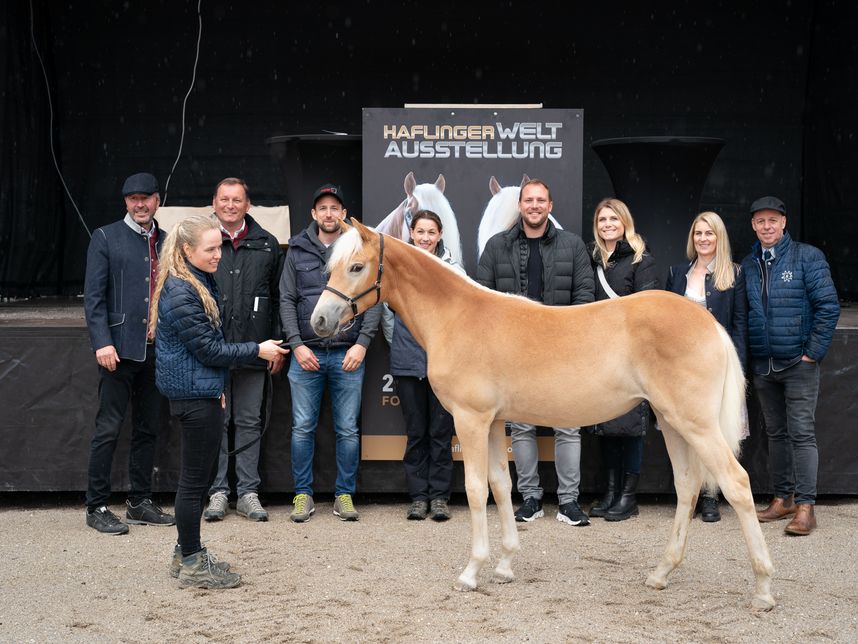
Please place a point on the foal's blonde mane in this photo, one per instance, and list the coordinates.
(344, 248)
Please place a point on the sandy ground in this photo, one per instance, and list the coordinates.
(388, 579)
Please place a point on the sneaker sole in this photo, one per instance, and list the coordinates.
(562, 518)
(140, 522)
(247, 516)
(302, 519)
(536, 515)
(191, 584)
(213, 517)
(342, 518)
(112, 534)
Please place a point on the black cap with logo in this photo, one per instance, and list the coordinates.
(329, 190)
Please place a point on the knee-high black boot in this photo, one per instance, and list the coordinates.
(627, 505)
(612, 491)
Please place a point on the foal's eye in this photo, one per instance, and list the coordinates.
(355, 268)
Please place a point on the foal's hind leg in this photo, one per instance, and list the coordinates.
(735, 485)
(473, 431)
(687, 478)
(501, 488)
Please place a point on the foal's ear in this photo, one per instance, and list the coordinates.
(364, 232)
(345, 226)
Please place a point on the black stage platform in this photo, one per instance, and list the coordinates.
(49, 382)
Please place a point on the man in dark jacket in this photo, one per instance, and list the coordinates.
(548, 265)
(248, 278)
(336, 362)
(792, 313)
(121, 266)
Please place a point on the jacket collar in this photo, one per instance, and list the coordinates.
(517, 231)
(781, 248)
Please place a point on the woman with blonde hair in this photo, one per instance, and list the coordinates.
(192, 360)
(712, 280)
(622, 266)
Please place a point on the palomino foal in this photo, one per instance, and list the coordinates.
(495, 357)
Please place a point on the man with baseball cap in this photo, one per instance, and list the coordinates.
(792, 313)
(121, 266)
(336, 362)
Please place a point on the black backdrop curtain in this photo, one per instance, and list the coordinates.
(31, 204)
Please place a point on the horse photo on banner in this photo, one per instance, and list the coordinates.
(466, 164)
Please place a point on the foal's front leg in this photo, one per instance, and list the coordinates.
(473, 437)
(501, 488)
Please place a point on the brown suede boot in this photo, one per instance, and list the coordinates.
(804, 521)
(778, 509)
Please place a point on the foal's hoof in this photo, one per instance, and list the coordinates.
(659, 583)
(502, 576)
(762, 604)
(464, 586)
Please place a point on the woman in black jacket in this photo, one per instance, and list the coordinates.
(192, 360)
(622, 266)
(711, 279)
(428, 459)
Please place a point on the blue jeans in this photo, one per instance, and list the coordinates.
(307, 389)
(788, 401)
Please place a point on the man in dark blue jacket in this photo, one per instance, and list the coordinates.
(248, 277)
(792, 313)
(336, 362)
(121, 266)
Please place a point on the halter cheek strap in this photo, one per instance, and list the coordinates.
(352, 301)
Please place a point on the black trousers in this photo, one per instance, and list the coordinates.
(134, 382)
(202, 430)
(428, 456)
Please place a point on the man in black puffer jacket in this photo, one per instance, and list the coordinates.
(248, 278)
(551, 266)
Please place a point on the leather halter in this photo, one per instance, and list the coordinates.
(352, 301)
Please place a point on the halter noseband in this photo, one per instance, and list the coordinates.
(352, 301)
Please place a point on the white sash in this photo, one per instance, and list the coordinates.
(604, 282)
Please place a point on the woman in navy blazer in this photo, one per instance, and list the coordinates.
(712, 280)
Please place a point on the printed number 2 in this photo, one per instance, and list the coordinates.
(387, 387)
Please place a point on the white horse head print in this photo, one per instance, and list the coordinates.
(424, 196)
(501, 212)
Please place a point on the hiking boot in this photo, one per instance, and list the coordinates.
(572, 514)
(439, 510)
(105, 521)
(530, 510)
(200, 571)
(176, 562)
(707, 508)
(147, 513)
(345, 508)
(218, 505)
(249, 506)
(304, 507)
(418, 511)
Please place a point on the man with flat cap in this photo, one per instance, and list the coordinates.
(792, 313)
(121, 266)
(336, 362)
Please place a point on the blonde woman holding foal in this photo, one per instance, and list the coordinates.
(712, 280)
(192, 364)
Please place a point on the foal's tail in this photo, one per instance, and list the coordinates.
(734, 416)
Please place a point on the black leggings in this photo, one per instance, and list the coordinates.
(202, 430)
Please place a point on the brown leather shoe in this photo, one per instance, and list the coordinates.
(778, 509)
(804, 521)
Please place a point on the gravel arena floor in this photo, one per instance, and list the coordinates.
(386, 579)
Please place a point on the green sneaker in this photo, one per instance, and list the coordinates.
(304, 507)
(176, 562)
(345, 509)
(199, 571)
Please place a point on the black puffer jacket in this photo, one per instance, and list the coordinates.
(625, 278)
(567, 276)
(248, 278)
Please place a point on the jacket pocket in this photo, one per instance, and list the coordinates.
(115, 319)
(260, 318)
